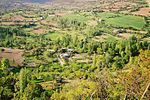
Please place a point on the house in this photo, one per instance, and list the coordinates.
(65, 56)
(101, 21)
(51, 15)
(66, 53)
(119, 31)
(70, 50)
(42, 18)
(51, 51)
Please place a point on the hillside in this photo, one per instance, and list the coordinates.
(6, 5)
(74, 50)
(100, 5)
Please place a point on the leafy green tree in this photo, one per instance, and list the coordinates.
(118, 63)
(108, 59)
(5, 64)
(23, 79)
(47, 54)
(7, 87)
(99, 51)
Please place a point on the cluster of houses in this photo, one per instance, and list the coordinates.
(66, 53)
(119, 31)
(63, 54)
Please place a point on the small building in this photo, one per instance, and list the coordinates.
(101, 21)
(70, 50)
(65, 56)
(42, 18)
(51, 15)
(119, 31)
(66, 53)
(51, 51)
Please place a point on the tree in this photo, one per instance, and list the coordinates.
(99, 51)
(118, 62)
(7, 88)
(47, 54)
(108, 59)
(75, 41)
(94, 63)
(23, 79)
(5, 64)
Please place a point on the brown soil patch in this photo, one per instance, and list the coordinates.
(13, 18)
(136, 32)
(13, 55)
(17, 18)
(12, 23)
(39, 31)
(143, 12)
(49, 23)
(60, 14)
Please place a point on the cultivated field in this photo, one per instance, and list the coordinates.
(143, 12)
(14, 55)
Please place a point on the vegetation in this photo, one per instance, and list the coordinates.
(74, 55)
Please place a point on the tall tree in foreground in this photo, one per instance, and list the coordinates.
(23, 79)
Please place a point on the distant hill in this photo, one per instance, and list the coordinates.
(36, 1)
(6, 5)
(96, 5)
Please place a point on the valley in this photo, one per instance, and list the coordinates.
(74, 50)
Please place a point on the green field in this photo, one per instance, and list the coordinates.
(125, 21)
(105, 15)
(77, 17)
